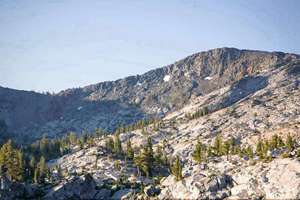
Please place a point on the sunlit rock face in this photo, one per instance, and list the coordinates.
(29, 115)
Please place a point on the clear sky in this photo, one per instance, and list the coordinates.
(50, 45)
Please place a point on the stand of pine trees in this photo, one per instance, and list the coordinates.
(230, 147)
(28, 163)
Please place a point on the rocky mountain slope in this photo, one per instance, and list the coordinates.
(154, 94)
(250, 96)
(255, 108)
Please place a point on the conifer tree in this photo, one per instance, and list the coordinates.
(144, 132)
(210, 151)
(36, 175)
(117, 165)
(84, 136)
(145, 160)
(249, 152)
(218, 145)
(42, 170)
(20, 166)
(176, 169)
(142, 162)
(44, 147)
(275, 142)
(90, 141)
(232, 144)
(110, 144)
(72, 138)
(8, 159)
(129, 150)
(117, 144)
(150, 149)
(99, 132)
(290, 142)
(280, 142)
(226, 148)
(260, 150)
(32, 165)
(159, 156)
(198, 154)
(266, 147)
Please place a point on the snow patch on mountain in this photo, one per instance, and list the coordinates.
(208, 78)
(167, 78)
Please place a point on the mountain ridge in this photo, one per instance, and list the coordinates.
(124, 101)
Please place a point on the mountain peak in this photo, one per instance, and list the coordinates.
(124, 101)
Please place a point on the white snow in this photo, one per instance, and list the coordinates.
(79, 108)
(208, 78)
(167, 78)
(187, 74)
(138, 84)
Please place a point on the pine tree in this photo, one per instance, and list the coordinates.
(198, 154)
(176, 169)
(36, 175)
(210, 151)
(290, 142)
(249, 152)
(259, 149)
(109, 144)
(129, 150)
(99, 132)
(280, 142)
(72, 138)
(32, 166)
(44, 147)
(158, 157)
(226, 148)
(144, 132)
(20, 166)
(150, 149)
(117, 144)
(274, 142)
(84, 136)
(232, 144)
(117, 165)
(239, 151)
(42, 170)
(90, 141)
(218, 145)
(144, 161)
(266, 147)
(8, 159)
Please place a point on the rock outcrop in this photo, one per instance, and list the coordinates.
(78, 188)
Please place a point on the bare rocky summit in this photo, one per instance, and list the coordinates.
(106, 105)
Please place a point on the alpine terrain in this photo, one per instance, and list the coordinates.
(220, 124)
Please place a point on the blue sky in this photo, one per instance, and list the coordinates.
(52, 45)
